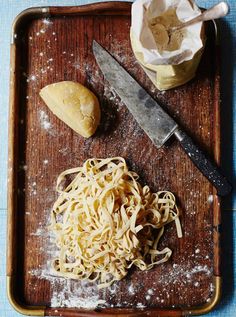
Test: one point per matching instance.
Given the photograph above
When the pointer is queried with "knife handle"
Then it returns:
(208, 168)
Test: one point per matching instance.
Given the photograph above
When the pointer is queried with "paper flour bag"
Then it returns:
(169, 58)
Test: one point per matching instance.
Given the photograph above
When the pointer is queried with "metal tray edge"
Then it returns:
(19, 307)
(26, 14)
(40, 310)
(212, 303)
(33, 12)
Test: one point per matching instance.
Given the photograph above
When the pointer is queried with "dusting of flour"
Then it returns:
(64, 292)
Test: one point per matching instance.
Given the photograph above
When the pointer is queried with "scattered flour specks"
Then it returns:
(131, 289)
(150, 292)
(39, 232)
(212, 287)
(210, 199)
(31, 78)
(78, 297)
(140, 305)
(187, 272)
(65, 292)
(64, 151)
(47, 21)
(44, 120)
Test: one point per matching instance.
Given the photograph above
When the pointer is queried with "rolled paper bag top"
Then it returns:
(154, 43)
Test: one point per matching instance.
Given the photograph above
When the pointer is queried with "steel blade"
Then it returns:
(157, 124)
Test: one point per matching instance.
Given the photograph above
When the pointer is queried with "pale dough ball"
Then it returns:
(74, 104)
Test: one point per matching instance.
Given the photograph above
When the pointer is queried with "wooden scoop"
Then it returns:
(217, 11)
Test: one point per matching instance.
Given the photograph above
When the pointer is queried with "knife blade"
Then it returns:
(157, 124)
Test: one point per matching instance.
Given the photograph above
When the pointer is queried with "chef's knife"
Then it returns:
(157, 124)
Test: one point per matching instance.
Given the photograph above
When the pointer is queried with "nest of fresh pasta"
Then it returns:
(105, 222)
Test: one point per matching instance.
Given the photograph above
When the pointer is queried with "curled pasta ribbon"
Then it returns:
(104, 222)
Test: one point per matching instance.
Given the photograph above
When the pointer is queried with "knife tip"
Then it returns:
(96, 46)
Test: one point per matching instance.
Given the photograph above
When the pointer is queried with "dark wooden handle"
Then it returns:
(208, 168)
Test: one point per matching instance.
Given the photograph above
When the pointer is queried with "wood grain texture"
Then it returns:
(60, 48)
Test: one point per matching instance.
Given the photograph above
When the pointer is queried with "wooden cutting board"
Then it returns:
(55, 44)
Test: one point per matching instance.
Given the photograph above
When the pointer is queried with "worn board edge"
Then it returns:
(122, 8)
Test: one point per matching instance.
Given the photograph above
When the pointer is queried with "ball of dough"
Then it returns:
(74, 104)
